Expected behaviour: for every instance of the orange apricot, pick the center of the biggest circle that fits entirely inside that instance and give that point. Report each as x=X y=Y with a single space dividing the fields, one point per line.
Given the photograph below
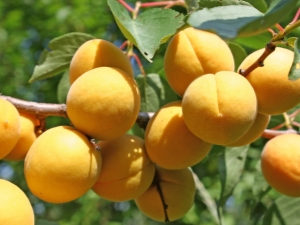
x=275 y=93
x=280 y=164
x=220 y=108
x=97 y=53
x=192 y=53
x=169 y=143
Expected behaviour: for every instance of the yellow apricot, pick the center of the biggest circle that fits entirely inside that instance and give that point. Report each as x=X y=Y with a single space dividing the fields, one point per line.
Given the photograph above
x=280 y=164
x=97 y=53
x=275 y=93
x=178 y=190
x=103 y=103
x=259 y=125
x=192 y=53
x=61 y=165
x=219 y=108
x=127 y=171
x=169 y=143
x=9 y=127
x=15 y=208
x=28 y=135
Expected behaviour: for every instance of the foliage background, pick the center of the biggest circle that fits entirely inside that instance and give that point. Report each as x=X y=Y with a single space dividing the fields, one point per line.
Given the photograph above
x=26 y=27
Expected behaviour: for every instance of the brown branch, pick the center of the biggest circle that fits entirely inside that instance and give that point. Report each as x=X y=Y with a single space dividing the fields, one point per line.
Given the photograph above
x=270 y=47
x=273 y=133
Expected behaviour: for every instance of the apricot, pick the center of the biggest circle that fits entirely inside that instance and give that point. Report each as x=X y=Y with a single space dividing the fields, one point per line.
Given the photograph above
x=220 y=108
x=280 y=164
x=9 y=127
x=259 y=125
x=103 y=103
x=28 y=122
x=275 y=93
x=177 y=189
x=192 y=53
x=127 y=171
x=15 y=208
x=97 y=53
x=169 y=143
x=61 y=165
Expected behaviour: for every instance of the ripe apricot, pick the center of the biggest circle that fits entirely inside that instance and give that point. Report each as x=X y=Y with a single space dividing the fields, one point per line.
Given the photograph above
x=219 y=108
x=97 y=53
x=103 y=103
x=280 y=164
x=127 y=171
x=275 y=92
x=192 y=53
x=259 y=125
x=177 y=189
x=15 y=208
x=28 y=123
x=61 y=165
x=169 y=143
x=9 y=127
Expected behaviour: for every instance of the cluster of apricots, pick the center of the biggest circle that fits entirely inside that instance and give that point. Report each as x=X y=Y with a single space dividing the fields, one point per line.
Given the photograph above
x=218 y=107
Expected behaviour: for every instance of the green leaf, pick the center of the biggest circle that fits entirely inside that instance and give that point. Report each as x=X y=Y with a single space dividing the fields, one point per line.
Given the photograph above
x=155 y=92
x=137 y=131
x=57 y=57
x=192 y=4
x=45 y=222
x=238 y=52
x=255 y=42
x=294 y=73
x=240 y=20
x=150 y=29
x=216 y=3
x=284 y=211
x=231 y=165
x=63 y=87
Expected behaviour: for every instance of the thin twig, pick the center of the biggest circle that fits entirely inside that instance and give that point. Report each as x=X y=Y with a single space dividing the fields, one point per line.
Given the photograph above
x=128 y=7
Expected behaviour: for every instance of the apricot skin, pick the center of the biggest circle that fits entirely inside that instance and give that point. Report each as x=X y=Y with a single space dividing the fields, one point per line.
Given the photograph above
x=97 y=53
x=169 y=143
x=9 y=127
x=126 y=172
x=259 y=125
x=219 y=108
x=192 y=53
x=178 y=190
x=280 y=164
x=27 y=137
x=275 y=93
x=103 y=103
x=15 y=207
x=61 y=165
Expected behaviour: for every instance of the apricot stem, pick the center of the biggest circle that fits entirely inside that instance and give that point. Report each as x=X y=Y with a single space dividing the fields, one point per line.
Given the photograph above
x=270 y=47
x=296 y=17
x=140 y=65
x=167 y=4
x=156 y=181
x=287 y=120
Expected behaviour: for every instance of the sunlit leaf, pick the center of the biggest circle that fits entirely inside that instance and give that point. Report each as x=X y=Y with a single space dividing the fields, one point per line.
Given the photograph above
x=216 y=3
x=57 y=57
x=150 y=29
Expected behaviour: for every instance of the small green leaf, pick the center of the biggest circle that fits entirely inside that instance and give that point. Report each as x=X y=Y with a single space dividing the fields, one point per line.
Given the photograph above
x=155 y=92
x=294 y=73
x=57 y=57
x=261 y=5
x=238 y=52
x=137 y=131
x=150 y=29
x=192 y=4
x=63 y=87
x=216 y=3
x=231 y=165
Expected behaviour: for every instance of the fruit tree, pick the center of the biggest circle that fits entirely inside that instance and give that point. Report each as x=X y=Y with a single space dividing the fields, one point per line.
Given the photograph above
x=150 y=112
